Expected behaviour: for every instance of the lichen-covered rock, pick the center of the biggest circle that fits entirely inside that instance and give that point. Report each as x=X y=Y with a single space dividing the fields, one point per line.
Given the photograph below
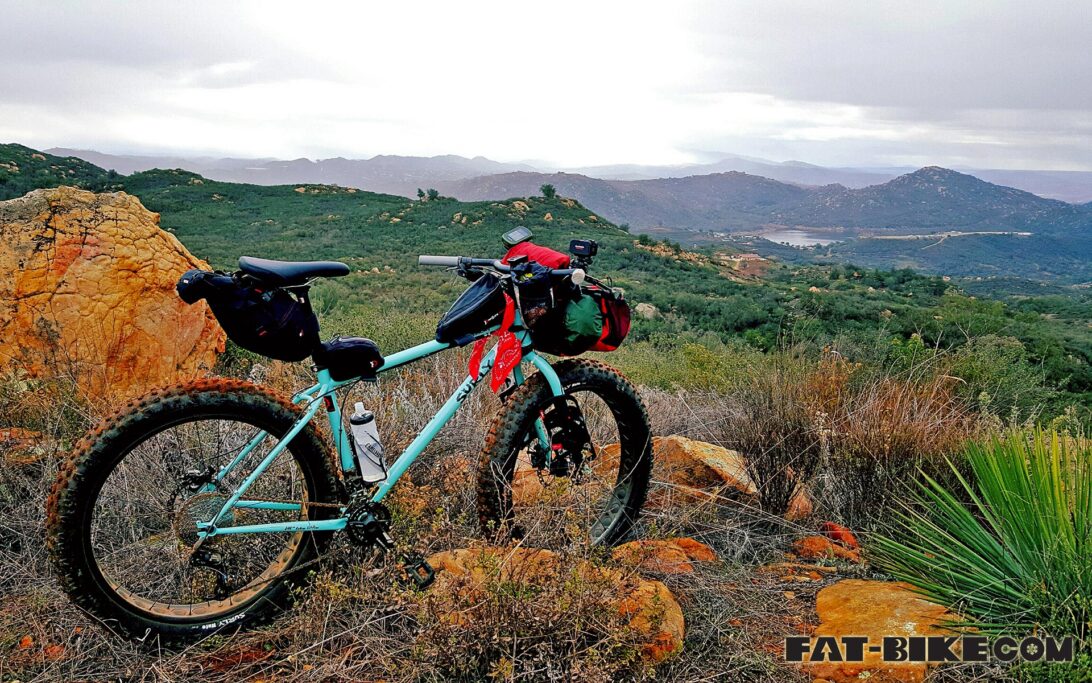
x=87 y=291
x=666 y=556
x=649 y=607
x=646 y=311
x=875 y=609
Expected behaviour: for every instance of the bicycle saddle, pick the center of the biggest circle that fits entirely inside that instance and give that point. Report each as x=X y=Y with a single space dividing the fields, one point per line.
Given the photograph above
x=289 y=273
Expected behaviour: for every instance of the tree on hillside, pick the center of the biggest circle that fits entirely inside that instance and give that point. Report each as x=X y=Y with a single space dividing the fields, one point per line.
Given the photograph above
x=433 y=194
x=420 y=193
x=548 y=191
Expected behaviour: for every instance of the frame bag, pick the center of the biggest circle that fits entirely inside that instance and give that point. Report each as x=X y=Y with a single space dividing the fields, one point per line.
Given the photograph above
x=272 y=322
x=476 y=310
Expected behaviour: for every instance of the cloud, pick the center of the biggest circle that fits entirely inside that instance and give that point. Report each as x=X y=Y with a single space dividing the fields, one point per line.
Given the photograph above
x=575 y=83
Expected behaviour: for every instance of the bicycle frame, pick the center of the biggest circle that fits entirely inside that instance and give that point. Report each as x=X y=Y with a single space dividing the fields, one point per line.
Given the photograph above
x=323 y=395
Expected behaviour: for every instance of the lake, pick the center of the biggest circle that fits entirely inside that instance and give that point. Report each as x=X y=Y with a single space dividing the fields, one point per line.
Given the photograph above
x=798 y=238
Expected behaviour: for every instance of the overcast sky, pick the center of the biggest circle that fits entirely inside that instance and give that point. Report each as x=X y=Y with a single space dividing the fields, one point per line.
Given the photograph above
x=979 y=84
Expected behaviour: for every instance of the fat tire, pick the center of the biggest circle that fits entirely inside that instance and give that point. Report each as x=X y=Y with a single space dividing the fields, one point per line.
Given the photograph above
x=72 y=498
x=516 y=416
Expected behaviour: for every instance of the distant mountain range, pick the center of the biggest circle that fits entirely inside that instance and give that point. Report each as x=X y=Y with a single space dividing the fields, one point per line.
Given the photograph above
x=932 y=219
x=929 y=199
x=404 y=174
x=389 y=174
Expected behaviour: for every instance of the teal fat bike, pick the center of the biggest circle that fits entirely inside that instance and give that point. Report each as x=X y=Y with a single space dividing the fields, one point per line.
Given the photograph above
x=199 y=507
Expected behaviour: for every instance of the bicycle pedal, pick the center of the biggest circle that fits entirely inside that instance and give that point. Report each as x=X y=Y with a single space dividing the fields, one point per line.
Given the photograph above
x=417 y=571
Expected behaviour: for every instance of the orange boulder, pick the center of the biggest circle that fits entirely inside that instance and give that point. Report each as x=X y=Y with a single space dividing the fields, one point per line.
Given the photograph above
x=840 y=534
x=88 y=292
x=875 y=609
x=698 y=469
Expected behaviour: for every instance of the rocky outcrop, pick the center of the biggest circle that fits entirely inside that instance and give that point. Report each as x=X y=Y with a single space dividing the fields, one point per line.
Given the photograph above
x=87 y=292
x=875 y=609
x=648 y=607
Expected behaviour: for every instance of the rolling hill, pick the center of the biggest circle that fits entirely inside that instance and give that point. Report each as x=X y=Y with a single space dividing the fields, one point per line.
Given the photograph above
x=926 y=199
x=931 y=203
x=23 y=169
x=934 y=198
x=720 y=201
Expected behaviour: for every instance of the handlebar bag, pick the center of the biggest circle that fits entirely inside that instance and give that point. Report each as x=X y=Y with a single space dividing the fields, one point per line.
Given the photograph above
x=272 y=322
x=595 y=319
x=477 y=309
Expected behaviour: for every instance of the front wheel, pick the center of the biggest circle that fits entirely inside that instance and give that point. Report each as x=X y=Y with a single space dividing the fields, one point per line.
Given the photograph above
x=590 y=486
x=122 y=516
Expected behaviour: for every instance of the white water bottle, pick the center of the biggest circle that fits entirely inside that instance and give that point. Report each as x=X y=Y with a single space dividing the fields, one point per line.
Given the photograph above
x=369 y=450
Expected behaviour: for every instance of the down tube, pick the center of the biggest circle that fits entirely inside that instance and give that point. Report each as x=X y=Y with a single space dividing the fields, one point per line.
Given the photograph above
x=446 y=412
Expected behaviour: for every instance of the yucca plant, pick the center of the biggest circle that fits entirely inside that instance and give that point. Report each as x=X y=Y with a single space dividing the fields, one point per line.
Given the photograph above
x=1012 y=550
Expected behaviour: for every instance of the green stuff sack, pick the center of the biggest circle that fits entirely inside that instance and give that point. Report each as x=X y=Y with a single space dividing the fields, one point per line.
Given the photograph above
x=583 y=324
x=570 y=329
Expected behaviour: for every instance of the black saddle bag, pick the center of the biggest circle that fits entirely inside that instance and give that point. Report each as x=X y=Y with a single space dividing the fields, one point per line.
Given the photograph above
x=273 y=322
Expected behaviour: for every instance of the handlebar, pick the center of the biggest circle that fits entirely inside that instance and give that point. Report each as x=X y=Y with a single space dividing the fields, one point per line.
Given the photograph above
x=447 y=261
x=578 y=275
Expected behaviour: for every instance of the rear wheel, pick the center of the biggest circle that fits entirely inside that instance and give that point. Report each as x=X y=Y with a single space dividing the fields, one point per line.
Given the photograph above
x=594 y=495
x=123 y=514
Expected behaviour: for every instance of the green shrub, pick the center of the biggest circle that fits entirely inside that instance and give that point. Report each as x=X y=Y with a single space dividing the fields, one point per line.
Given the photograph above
x=1017 y=556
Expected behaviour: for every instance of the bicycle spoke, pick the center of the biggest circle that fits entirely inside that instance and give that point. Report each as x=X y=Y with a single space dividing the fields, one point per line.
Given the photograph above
x=144 y=506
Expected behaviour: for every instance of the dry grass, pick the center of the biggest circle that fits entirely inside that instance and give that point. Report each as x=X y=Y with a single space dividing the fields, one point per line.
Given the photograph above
x=357 y=623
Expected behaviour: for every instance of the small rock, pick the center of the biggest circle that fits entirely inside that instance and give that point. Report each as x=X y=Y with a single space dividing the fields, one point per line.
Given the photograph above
x=21 y=446
x=646 y=311
x=840 y=534
x=822 y=548
x=696 y=466
x=672 y=556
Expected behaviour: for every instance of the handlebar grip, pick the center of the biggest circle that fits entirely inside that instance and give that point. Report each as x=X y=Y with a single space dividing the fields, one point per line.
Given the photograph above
x=448 y=261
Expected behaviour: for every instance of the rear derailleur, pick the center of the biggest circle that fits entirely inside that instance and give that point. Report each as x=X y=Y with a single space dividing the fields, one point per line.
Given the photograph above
x=369 y=527
x=212 y=559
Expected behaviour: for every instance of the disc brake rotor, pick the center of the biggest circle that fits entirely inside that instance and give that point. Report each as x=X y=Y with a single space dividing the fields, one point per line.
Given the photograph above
x=196 y=509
